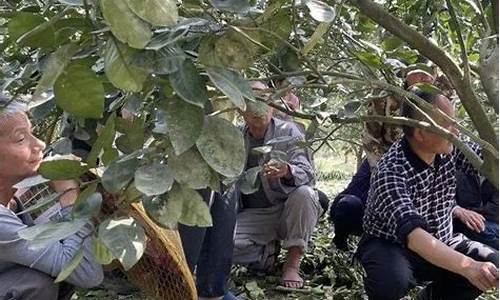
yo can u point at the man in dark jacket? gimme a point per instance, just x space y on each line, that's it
481 199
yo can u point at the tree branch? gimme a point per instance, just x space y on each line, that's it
432 51
458 32
421 105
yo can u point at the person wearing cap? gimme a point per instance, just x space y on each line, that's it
418 76
284 205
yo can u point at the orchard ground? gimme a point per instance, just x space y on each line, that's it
330 274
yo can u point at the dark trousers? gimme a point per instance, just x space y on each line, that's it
489 236
210 250
346 214
392 270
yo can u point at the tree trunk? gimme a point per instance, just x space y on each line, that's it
488 70
432 51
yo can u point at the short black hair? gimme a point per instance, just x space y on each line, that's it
409 112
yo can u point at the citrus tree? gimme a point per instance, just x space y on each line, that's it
149 89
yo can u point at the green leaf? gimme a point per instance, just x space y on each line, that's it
215 183
23 23
391 43
175 34
190 169
254 290
407 55
232 84
366 25
428 88
53 68
156 12
163 61
104 140
42 235
195 211
118 174
206 51
369 58
262 150
280 23
119 68
70 267
320 11
79 92
249 182
125 239
101 252
222 146
46 34
109 154
132 194
279 156
154 179
61 167
164 210
188 84
234 50
42 203
184 123
88 203
133 134
124 24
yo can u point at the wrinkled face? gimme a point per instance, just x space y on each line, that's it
20 152
434 143
257 124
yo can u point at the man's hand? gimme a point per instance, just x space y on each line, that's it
483 275
472 219
70 191
276 170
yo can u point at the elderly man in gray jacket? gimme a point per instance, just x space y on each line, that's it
283 205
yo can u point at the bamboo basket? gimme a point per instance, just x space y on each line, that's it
170 280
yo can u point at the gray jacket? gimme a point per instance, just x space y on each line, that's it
51 260
298 158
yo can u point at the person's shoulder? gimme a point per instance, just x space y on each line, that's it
392 162
285 126
6 213
9 222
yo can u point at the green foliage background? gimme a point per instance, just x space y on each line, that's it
152 87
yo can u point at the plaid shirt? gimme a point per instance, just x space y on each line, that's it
406 193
